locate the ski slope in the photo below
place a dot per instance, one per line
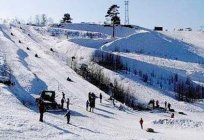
(19, 114)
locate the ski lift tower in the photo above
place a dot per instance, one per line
(126, 12)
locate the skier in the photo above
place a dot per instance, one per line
(68, 114)
(87, 105)
(157, 104)
(141, 123)
(100, 98)
(67, 103)
(172, 115)
(41, 109)
(169, 106)
(165, 103)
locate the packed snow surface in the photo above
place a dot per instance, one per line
(19, 113)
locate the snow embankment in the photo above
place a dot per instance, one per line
(155, 44)
(195, 38)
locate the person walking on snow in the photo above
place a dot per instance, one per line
(169, 106)
(165, 103)
(68, 114)
(62, 103)
(153, 103)
(157, 104)
(87, 105)
(100, 98)
(172, 115)
(67, 103)
(141, 123)
(63, 95)
(41, 109)
(62, 100)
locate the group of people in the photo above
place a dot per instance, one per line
(68, 113)
(167, 105)
(91, 102)
(63, 101)
(152, 102)
(41, 106)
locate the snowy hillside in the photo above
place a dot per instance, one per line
(139, 48)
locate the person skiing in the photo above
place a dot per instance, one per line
(157, 104)
(172, 115)
(100, 98)
(141, 123)
(67, 103)
(68, 114)
(41, 109)
(87, 105)
(165, 103)
(169, 106)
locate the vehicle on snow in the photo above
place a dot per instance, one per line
(48, 97)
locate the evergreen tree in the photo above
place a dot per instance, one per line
(67, 18)
(113, 14)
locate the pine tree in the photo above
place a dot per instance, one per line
(67, 18)
(113, 14)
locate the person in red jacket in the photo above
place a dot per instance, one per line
(41, 109)
(141, 123)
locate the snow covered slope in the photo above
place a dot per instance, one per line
(19, 115)
(195, 38)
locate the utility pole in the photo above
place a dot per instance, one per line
(126, 12)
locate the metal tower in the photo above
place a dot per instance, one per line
(126, 12)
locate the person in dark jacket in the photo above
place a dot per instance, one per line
(153, 104)
(172, 115)
(67, 103)
(41, 109)
(62, 100)
(141, 123)
(91, 106)
(68, 114)
(169, 106)
(63, 95)
(89, 96)
(165, 103)
(157, 104)
(62, 103)
(100, 98)
(93, 99)
(87, 105)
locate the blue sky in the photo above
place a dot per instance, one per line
(146, 13)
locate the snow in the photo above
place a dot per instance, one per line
(19, 114)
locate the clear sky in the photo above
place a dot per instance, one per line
(146, 13)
